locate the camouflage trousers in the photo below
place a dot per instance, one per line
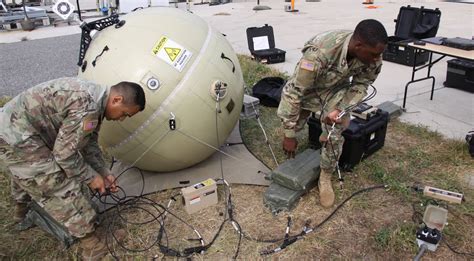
(331, 149)
(41, 180)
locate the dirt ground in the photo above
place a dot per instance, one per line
(375, 225)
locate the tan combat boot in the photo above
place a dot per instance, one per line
(20, 211)
(326, 194)
(95, 248)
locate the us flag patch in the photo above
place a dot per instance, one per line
(89, 125)
(307, 65)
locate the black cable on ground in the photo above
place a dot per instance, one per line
(140, 202)
(456, 251)
(134, 202)
(309, 230)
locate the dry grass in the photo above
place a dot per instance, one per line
(376, 225)
(3, 100)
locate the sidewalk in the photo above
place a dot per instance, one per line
(451, 112)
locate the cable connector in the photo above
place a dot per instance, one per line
(306, 228)
(172, 121)
(269, 252)
(235, 226)
(192, 250)
(169, 252)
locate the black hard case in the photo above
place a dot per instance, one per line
(271, 55)
(460, 75)
(362, 138)
(411, 24)
(459, 43)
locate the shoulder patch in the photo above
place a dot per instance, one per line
(307, 65)
(89, 125)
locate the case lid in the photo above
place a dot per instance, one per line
(260, 38)
(417, 23)
(435, 217)
(427, 24)
(406, 21)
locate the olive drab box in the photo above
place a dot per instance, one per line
(299, 173)
(291, 180)
(278, 198)
(412, 24)
(261, 43)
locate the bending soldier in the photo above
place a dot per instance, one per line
(335, 71)
(48, 141)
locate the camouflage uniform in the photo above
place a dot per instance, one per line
(321, 83)
(48, 141)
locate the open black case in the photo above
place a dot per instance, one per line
(362, 138)
(412, 24)
(261, 43)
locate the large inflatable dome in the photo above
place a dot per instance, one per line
(184, 65)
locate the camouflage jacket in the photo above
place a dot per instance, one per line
(57, 121)
(319, 73)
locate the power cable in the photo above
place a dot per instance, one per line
(292, 239)
(228, 193)
(140, 202)
(267, 141)
(345, 111)
(456, 251)
(125, 203)
(307, 229)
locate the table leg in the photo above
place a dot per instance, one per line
(412, 78)
(428, 76)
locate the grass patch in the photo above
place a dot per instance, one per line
(374, 225)
(254, 71)
(382, 238)
(4, 100)
(402, 238)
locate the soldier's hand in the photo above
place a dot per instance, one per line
(97, 184)
(332, 117)
(110, 183)
(289, 146)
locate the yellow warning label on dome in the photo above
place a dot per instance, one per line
(172, 53)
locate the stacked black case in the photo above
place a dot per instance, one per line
(270, 55)
(460, 75)
(362, 138)
(412, 24)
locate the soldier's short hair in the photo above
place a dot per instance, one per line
(132, 93)
(371, 32)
